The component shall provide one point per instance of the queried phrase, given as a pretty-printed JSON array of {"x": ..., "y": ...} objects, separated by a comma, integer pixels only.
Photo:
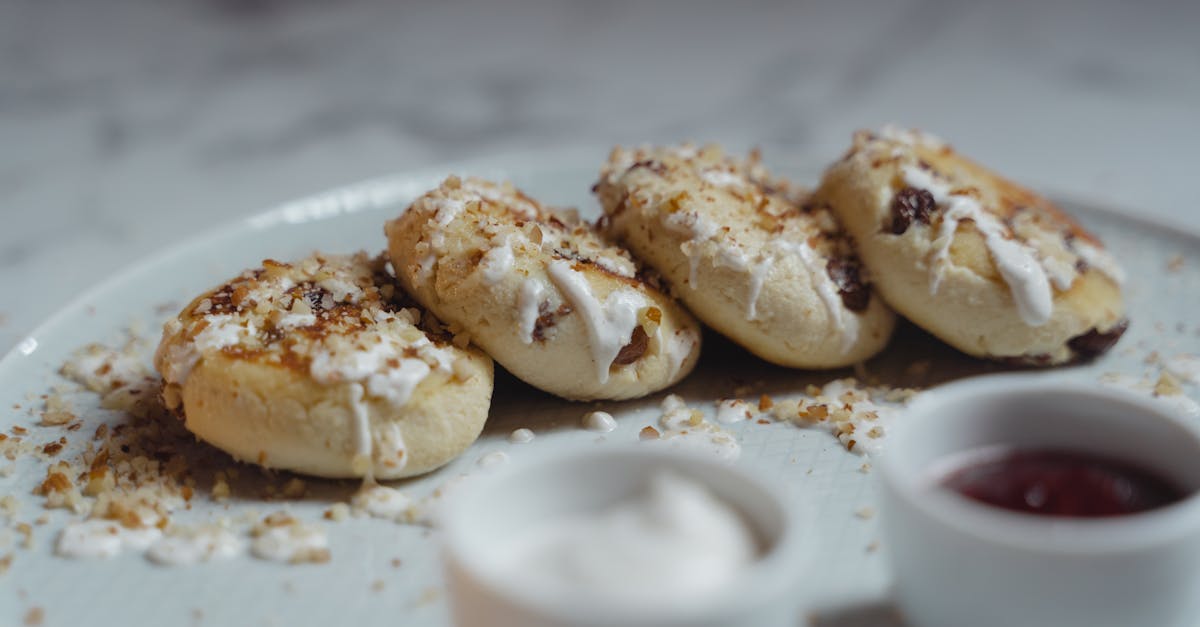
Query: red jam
[{"x": 1055, "y": 482}]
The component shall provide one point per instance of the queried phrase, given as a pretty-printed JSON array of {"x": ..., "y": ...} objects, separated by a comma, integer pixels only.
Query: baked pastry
[
  {"x": 541, "y": 292},
  {"x": 986, "y": 265},
  {"x": 317, "y": 367},
  {"x": 747, "y": 254}
]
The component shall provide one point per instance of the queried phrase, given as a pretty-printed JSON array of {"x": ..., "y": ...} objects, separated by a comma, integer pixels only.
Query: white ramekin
[
  {"x": 958, "y": 563},
  {"x": 487, "y": 510}
]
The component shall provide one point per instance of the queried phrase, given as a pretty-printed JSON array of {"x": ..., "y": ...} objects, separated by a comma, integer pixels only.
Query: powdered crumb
[{"x": 35, "y": 616}]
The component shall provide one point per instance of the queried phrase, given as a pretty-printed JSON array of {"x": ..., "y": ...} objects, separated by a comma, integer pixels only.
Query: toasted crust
[
  {"x": 541, "y": 292},
  {"x": 316, "y": 367},
  {"x": 986, "y": 265},
  {"x": 748, "y": 254}
]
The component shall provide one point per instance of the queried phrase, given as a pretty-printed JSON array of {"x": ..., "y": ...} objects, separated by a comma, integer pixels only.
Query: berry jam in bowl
[{"x": 1026, "y": 500}]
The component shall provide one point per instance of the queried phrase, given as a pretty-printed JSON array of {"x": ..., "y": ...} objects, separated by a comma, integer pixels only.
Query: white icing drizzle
[
  {"x": 1099, "y": 259},
  {"x": 729, "y": 254},
  {"x": 609, "y": 324},
  {"x": 1017, "y": 262},
  {"x": 758, "y": 276},
  {"x": 842, "y": 321},
  {"x": 390, "y": 450},
  {"x": 446, "y": 209},
  {"x": 529, "y": 299},
  {"x": 223, "y": 330},
  {"x": 103, "y": 538},
  {"x": 498, "y": 261},
  {"x": 614, "y": 263},
  {"x": 373, "y": 365}
]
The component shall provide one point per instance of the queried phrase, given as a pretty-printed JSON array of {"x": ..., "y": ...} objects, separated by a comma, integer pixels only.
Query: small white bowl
[
  {"x": 958, "y": 562},
  {"x": 490, "y": 510}
]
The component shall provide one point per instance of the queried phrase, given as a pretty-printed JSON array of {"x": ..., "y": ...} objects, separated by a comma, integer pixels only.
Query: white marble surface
[{"x": 127, "y": 126}]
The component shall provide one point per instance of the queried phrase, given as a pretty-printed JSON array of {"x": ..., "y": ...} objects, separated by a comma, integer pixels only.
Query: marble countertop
[{"x": 128, "y": 126}]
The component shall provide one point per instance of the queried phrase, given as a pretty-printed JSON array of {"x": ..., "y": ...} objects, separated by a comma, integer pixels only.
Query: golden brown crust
[
  {"x": 749, "y": 253},
  {"x": 540, "y": 291},
  {"x": 318, "y": 366},
  {"x": 984, "y": 263}
]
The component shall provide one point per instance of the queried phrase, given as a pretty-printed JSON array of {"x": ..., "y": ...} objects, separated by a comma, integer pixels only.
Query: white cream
[
  {"x": 223, "y": 330},
  {"x": 295, "y": 320},
  {"x": 193, "y": 546},
  {"x": 397, "y": 384},
  {"x": 497, "y": 262},
  {"x": 1017, "y": 262},
  {"x": 103, "y": 538},
  {"x": 372, "y": 365},
  {"x": 673, "y": 542},
  {"x": 609, "y": 324},
  {"x": 390, "y": 449},
  {"x": 446, "y": 209},
  {"x": 615, "y": 264},
  {"x": 599, "y": 421},
  {"x": 529, "y": 300}
]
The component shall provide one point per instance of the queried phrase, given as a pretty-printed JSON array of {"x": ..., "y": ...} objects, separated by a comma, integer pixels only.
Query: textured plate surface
[{"x": 361, "y": 584}]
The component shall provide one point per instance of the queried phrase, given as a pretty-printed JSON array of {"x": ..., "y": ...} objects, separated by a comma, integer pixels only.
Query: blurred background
[{"x": 130, "y": 125}]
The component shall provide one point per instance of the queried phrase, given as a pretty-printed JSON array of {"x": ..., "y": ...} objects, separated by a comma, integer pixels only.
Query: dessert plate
[{"x": 385, "y": 573}]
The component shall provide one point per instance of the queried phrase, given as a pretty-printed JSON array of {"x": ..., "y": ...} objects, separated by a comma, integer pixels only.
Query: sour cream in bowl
[{"x": 622, "y": 537}]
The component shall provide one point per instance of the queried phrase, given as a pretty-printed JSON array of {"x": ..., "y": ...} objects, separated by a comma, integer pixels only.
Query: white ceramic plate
[{"x": 361, "y": 586}]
